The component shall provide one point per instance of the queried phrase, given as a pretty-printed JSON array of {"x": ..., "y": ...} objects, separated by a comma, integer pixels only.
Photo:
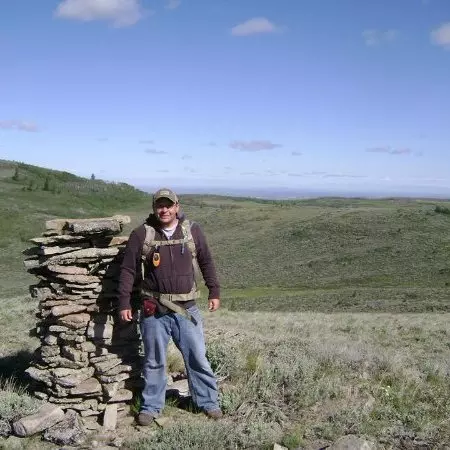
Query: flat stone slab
[
  {"x": 65, "y": 310},
  {"x": 110, "y": 417},
  {"x": 95, "y": 227},
  {"x": 122, "y": 395},
  {"x": 79, "y": 279},
  {"x": 60, "y": 250},
  {"x": 58, "y": 239},
  {"x": 69, "y": 378},
  {"x": 70, "y": 270},
  {"x": 84, "y": 255},
  {"x": 42, "y": 375},
  {"x": 66, "y": 224},
  {"x": 74, "y": 321},
  {"x": 89, "y": 386}
]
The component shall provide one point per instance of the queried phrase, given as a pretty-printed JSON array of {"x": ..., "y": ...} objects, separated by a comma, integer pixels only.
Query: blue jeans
[{"x": 156, "y": 332}]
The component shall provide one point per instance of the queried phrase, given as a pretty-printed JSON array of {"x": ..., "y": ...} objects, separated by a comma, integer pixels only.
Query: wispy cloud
[
  {"x": 256, "y": 25},
  {"x": 19, "y": 125},
  {"x": 121, "y": 13},
  {"x": 185, "y": 157},
  {"x": 343, "y": 175},
  {"x": 441, "y": 36},
  {"x": 173, "y": 4},
  {"x": 153, "y": 151},
  {"x": 190, "y": 170},
  {"x": 212, "y": 144},
  {"x": 324, "y": 175},
  {"x": 253, "y": 146},
  {"x": 296, "y": 153},
  {"x": 390, "y": 150},
  {"x": 315, "y": 173},
  {"x": 146, "y": 141},
  {"x": 102, "y": 139},
  {"x": 374, "y": 37}
]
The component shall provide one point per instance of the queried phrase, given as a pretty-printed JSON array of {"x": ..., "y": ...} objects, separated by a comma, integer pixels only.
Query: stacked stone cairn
[{"x": 88, "y": 361}]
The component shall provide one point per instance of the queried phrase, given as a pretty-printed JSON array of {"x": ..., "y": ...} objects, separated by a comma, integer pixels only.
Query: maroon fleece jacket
[{"x": 175, "y": 274}]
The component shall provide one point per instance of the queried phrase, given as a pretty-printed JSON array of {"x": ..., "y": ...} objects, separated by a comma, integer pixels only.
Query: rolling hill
[
  {"x": 333, "y": 321},
  {"x": 325, "y": 253}
]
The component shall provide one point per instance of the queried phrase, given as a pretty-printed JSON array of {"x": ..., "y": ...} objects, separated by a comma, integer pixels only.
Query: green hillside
[
  {"x": 30, "y": 195},
  {"x": 359, "y": 343},
  {"x": 330, "y": 253}
]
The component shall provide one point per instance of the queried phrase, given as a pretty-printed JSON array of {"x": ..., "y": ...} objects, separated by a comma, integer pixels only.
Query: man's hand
[
  {"x": 214, "y": 304},
  {"x": 125, "y": 315}
]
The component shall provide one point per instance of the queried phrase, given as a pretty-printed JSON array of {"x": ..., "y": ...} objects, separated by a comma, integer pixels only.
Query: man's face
[{"x": 166, "y": 211}]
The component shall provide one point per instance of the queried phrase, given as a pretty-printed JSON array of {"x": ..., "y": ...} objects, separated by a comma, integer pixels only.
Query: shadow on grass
[
  {"x": 185, "y": 403},
  {"x": 13, "y": 367}
]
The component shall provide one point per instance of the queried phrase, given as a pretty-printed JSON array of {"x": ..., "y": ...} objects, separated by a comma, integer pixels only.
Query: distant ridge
[{"x": 301, "y": 193}]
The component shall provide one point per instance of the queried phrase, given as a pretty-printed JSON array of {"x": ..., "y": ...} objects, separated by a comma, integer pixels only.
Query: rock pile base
[{"x": 87, "y": 360}]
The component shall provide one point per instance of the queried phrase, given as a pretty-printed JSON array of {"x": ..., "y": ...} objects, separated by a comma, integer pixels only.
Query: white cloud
[
  {"x": 121, "y": 13},
  {"x": 253, "y": 146},
  {"x": 256, "y": 25},
  {"x": 19, "y": 125},
  {"x": 173, "y": 4},
  {"x": 377, "y": 37},
  {"x": 390, "y": 151},
  {"x": 342, "y": 175},
  {"x": 153, "y": 151},
  {"x": 296, "y": 153},
  {"x": 441, "y": 36}
]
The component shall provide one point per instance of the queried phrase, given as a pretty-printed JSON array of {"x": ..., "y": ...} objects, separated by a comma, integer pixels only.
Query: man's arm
[
  {"x": 127, "y": 276},
  {"x": 207, "y": 267}
]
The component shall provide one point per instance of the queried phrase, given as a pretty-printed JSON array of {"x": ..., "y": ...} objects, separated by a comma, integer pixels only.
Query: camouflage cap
[{"x": 165, "y": 193}]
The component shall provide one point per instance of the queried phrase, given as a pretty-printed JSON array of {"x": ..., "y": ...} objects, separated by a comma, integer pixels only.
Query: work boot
[
  {"x": 145, "y": 419},
  {"x": 214, "y": 414}
]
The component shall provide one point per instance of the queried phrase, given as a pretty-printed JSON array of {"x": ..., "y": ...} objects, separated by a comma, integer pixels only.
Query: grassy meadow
[{"x": 334, "y": 315}]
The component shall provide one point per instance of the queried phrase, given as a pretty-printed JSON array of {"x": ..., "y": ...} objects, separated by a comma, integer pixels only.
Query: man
[{"x": 169, "y": 269}]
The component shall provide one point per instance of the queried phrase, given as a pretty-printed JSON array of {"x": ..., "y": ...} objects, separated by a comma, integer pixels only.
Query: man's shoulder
[
  {"x": 139, "y": 231},
  {"x": 193, "y": 225}
]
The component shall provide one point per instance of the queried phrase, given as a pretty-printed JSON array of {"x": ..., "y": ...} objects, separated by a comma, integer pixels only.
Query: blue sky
[{"x": 349, "y": 94}]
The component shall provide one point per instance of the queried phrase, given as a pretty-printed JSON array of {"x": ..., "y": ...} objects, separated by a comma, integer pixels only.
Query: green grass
[
  {"x": 301, "y": 245},
  {"x": 309, "y": 377},
  {"x": 24, "y": 212},
  {"x": 334, "y": 314}
]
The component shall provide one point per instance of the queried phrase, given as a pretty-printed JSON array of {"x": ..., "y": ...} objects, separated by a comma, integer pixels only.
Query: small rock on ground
[
  {"x": 47, "y": 416},
  {"x": 352, "y": 442},
  {"x": 67, "y": 432}
]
